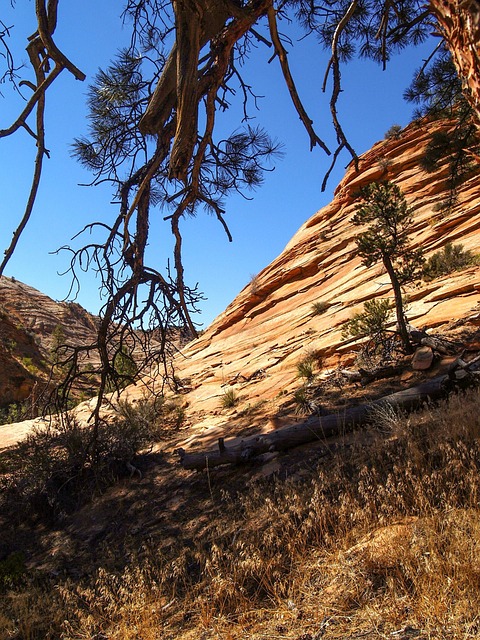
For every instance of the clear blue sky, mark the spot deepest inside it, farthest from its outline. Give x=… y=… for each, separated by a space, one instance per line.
x=90 y=33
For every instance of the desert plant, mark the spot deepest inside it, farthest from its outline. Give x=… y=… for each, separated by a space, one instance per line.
x=229 y=399
x=453 y=257
x=12 y=569
x=379 y=534
x=320 y=307
x=15 y=412
x=373 y=320
x=56 y=468
x=125 y=367
x=385 y=211
x=382 y=344
x=306 y=368
x=304 y=402
x=254 y=284
x=393 y=132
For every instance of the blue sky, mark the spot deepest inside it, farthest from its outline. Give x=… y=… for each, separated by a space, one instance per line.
x=90 y=33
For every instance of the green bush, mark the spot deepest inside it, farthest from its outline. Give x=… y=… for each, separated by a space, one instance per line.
x=229 y=399
x=304 y=402
x=12 y=569
x=306 y=368
x=372 y=320
x=394 y=132
x=453 y=257
x=15 y=412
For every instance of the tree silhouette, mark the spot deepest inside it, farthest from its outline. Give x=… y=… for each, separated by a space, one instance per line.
x=153 y=135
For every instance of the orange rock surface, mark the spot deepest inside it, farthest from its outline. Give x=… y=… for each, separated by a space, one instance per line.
x=255 y=344
x=253 y=347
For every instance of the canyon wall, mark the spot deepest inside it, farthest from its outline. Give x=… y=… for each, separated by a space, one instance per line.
x=253 y=347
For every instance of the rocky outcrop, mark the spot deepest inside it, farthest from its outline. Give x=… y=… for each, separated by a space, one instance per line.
x=31 y=326
x=254 y=346
x=252 y=349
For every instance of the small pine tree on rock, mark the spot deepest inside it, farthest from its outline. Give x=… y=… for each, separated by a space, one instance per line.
x=389 y=223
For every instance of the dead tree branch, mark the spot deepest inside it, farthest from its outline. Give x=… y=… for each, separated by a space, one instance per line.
x=317 y=428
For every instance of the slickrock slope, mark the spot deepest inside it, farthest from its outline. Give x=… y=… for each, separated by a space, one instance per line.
x=255 y=344
x=30 y=323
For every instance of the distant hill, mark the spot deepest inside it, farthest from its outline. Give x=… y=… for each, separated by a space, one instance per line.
x=31 y=326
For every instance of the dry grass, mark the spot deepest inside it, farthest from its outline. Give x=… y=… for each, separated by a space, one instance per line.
x=378 y=541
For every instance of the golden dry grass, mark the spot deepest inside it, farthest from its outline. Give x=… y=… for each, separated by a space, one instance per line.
x=381 y=540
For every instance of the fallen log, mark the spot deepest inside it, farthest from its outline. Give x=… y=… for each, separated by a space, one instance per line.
x=315 y=428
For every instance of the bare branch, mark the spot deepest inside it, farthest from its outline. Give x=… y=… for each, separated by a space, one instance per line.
x=334 y=65
x=282 y=56
x=47 y=21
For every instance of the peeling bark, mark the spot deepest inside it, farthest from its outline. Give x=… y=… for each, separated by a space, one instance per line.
x=459 y=22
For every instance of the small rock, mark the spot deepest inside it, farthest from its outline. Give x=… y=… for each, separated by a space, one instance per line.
x=422 y=359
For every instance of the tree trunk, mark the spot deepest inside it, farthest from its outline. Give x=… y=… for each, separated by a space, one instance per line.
x=313 y=429
x=459 y=22
x=397 y=292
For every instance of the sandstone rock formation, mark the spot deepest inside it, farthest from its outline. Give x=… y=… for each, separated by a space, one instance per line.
x=30 y=325
x=254 y=346
x=252 y=349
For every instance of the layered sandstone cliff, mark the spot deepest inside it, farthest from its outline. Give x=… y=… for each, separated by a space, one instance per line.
x=254 y=346
x=31 y=326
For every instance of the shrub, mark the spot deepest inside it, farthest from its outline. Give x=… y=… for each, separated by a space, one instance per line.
x=318 y=308
x=383 y=345
x=453 y=257
x=12 y=569
x=372 y=320
x=304 y=403
x=305 y=368
x=254 y=284
x=15 y=412
x=60 y=466
x=229 y=399
x=394 y=132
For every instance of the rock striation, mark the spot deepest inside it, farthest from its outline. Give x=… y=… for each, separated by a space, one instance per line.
x=31 y=324
x=254 y=346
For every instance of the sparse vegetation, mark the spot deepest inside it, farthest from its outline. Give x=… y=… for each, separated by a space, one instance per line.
x=382 y=536
x=306 y=368
x=304 y=402
x=15 y=412
x=56 y=468
x=320 y=307
x=383 y=344
x=254 y=284
x=125 y=367
x=389 y=221
x=229 y=399
x=453 y=257
x=374 y=319
x=12 y=570
x=452 y=147
x=394 y=132
x=29 y=365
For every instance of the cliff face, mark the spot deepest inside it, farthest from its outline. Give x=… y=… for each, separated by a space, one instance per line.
x=31 y=325
x=253 y=347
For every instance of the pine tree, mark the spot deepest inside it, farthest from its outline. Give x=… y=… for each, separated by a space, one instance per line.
x=386 y=240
